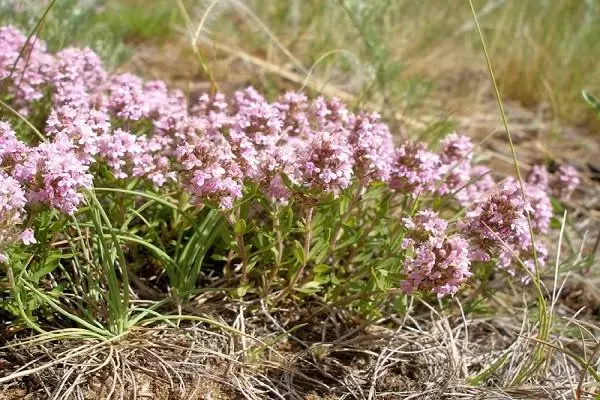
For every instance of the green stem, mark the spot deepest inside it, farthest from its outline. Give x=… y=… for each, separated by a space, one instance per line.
x=544 y=330
x=334 y=236
x=307 y=242
x=242 y=251
x=367 y=230
x=17 y=296
x=306 y=250
x=279 y=256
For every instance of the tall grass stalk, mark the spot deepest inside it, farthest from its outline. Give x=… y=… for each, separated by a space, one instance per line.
x=544 y=318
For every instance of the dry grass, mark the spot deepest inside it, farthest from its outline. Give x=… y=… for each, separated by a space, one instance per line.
x=400 y=53
x=430 y=354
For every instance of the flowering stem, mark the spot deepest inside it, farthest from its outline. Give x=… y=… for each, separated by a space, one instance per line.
x=242 y=252
x=244 y=256
x=227 y=267
x=306 y=249
x=334 y=236
x=367 y=230
x=279 y=256
x=307 y=241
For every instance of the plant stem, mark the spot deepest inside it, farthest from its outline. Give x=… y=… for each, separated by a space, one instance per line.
x=367 y=230
x=279 y=256
x=306 y=249
x=307 y=241
x=17 y=295
x=244 y=256
x=334 y=236
x=243 y=253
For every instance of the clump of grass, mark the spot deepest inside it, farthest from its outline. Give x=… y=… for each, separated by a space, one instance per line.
x=546 y=52
x=138 y=20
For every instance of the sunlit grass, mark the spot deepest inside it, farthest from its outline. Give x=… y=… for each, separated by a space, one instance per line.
x=398 y=53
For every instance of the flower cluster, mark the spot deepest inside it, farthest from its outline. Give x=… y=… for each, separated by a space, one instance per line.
x=326 y=162
x=456 y=164
x=561 y=183
x=372 y=147
x=564 y=181
x=210 y=171
x=51 y=173
x=216 y=145
x=12 y=212
x=25 y=67
x=438 y=263
x=414 y=169
x=498 y=227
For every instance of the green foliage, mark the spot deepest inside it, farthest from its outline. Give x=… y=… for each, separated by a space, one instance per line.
x=68 y=23
x=593 y=101
x=138 y=20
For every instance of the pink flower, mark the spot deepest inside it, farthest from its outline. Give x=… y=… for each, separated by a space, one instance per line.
x=78 y=66
x=541 y=208
x=326 y=163
x=564 y=182
x=12 y=150
x=213 y=112
x=372 y=147
x=538 y=176
x=27 y=81
x=126 y=97
x=440 y=266
x=497 y=227
x=294 y=108
x=54 y=175
x=330 y=114
x=456 y=169
x=209 y=171
x=456 y=149
x=436 y=262
x=82 y=126
x=27 y=237
x=12 y=213
x=414 y=169
x=423 y=226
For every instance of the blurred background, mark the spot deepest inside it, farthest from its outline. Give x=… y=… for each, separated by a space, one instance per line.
x=419 y=63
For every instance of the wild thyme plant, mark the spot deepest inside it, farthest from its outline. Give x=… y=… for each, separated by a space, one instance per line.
x=113 y=187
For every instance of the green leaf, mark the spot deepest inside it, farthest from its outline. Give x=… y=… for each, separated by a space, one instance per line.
x=240 y=227
x=310 y=287
x=287 y=220
x=298 y=252
x=334 y=279
x=51 y=264
x=592 y=100
x=242 y=290
x=319 y=251
x=320 y=269
x=191 y=259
